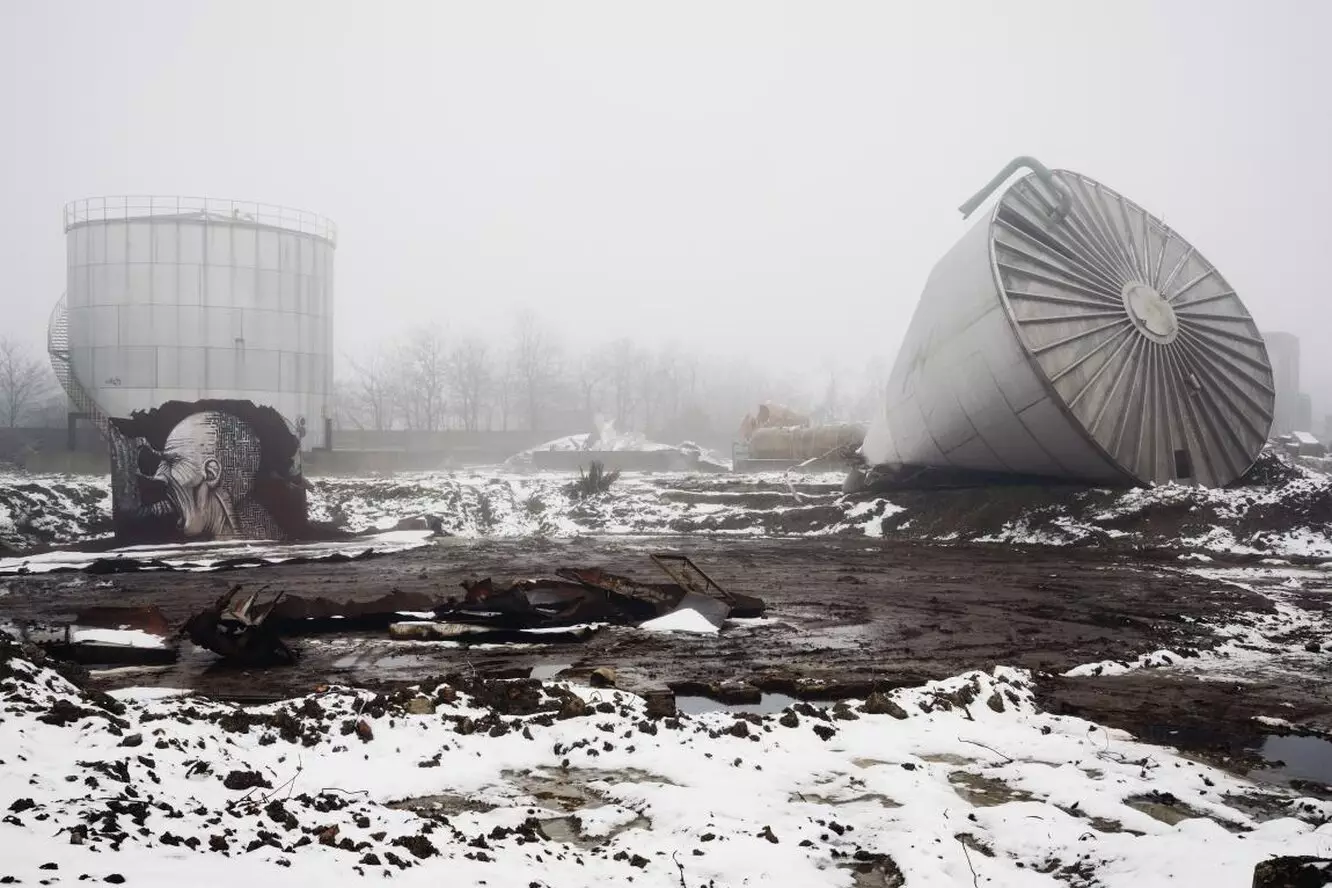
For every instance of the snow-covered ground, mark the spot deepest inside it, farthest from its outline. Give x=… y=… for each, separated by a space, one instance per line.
x=1255 y=645
x=202 y=557
x=1288 y=514
x=958 y=782
x=41 y=509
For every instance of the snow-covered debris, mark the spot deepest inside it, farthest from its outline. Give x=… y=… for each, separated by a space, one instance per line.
x=136 y=638
x=52 y=509
x=203 y=557
x=606 y=439
x=1119 y=667
x=521 y=783
x=1284 y=510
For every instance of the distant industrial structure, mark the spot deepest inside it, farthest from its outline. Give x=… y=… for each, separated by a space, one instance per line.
x=1283 y=350
x=187 y=299
x=1071 y=335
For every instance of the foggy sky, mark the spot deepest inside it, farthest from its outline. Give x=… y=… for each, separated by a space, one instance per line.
x=766 y=178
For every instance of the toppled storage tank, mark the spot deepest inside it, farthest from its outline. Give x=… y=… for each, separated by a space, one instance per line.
x=1071 y=335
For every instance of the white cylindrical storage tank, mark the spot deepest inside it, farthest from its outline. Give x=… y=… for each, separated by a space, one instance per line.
x=174 y=298
x=1072 y=335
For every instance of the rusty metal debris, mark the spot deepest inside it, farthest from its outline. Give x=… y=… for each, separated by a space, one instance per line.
x=103 y=636
x=236 y=630
x=592 y=595
x=690 y=576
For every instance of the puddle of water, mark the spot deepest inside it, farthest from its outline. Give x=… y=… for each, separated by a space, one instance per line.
x=985 y=792
x=548 y=671
x=874 y=871
x=1107 y=825
x=439 y=803
x=569 y=789
x=561 y=829
x=767 y=705
x=568 y=830
x=1301 y=758
x=867 y=797
x=874 y=763
x=1163 y=807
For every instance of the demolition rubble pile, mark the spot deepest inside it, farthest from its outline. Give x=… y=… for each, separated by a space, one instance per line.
x=247 y=628
x=577 y=597
x=606 y=443
x=520 y=782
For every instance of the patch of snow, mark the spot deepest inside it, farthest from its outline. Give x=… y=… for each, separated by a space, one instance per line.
x=1153 y=660
x=134 y=638
x=682 y=620
x=207 y=555
x=147 y=694
x=1273 y=722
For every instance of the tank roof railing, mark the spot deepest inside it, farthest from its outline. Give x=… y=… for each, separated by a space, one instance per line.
x=245 y=212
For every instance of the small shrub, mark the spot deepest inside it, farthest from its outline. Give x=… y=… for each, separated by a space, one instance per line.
x=594 y=482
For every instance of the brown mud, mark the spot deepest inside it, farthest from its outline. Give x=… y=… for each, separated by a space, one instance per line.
x=845 y=617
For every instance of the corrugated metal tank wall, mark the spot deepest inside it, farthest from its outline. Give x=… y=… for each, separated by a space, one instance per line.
x=192 y=306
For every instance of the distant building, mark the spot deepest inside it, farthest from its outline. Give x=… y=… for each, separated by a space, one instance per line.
x=1304 y=413
x=1283 y=350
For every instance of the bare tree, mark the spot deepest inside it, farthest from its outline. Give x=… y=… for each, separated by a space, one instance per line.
x=622 y=363
x=371 y=392
x=830 y=406
x=535 y=363
x=423 y=377
x=24 y=381
x=663 y=383
x=505 y=386
x=590 y=375
x=469 y=379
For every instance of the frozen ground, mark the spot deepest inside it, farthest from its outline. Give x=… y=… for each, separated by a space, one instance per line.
x=996 y=776
x=1286 y=512
x=958 y=782
x=209 y=556
x=51 y=509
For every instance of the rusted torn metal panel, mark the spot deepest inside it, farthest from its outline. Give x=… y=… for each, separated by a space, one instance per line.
x=237 y=630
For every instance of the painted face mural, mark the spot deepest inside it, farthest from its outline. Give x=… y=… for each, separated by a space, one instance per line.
x=208 y=466
x=208 y=470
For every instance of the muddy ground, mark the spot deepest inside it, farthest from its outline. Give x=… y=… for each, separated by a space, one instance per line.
x=844 y=615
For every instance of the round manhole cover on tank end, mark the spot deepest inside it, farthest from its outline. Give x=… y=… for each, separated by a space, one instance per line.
x=1139 y=336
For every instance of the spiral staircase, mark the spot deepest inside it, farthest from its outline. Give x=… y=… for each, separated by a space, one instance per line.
x=57 y=347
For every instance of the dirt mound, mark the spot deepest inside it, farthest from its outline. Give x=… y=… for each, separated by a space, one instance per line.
x=1270 y=469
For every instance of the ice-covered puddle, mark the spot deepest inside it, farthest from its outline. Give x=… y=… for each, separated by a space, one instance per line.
x=526 y=782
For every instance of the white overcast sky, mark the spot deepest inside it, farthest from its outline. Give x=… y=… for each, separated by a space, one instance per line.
x=760 y=177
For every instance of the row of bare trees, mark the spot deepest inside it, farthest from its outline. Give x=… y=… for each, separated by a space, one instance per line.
x=528 y=378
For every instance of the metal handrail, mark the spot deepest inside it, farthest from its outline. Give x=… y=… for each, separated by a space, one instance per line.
x=57 y=335
x=122 y=208
x=54 y=327
x=1063 y=200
